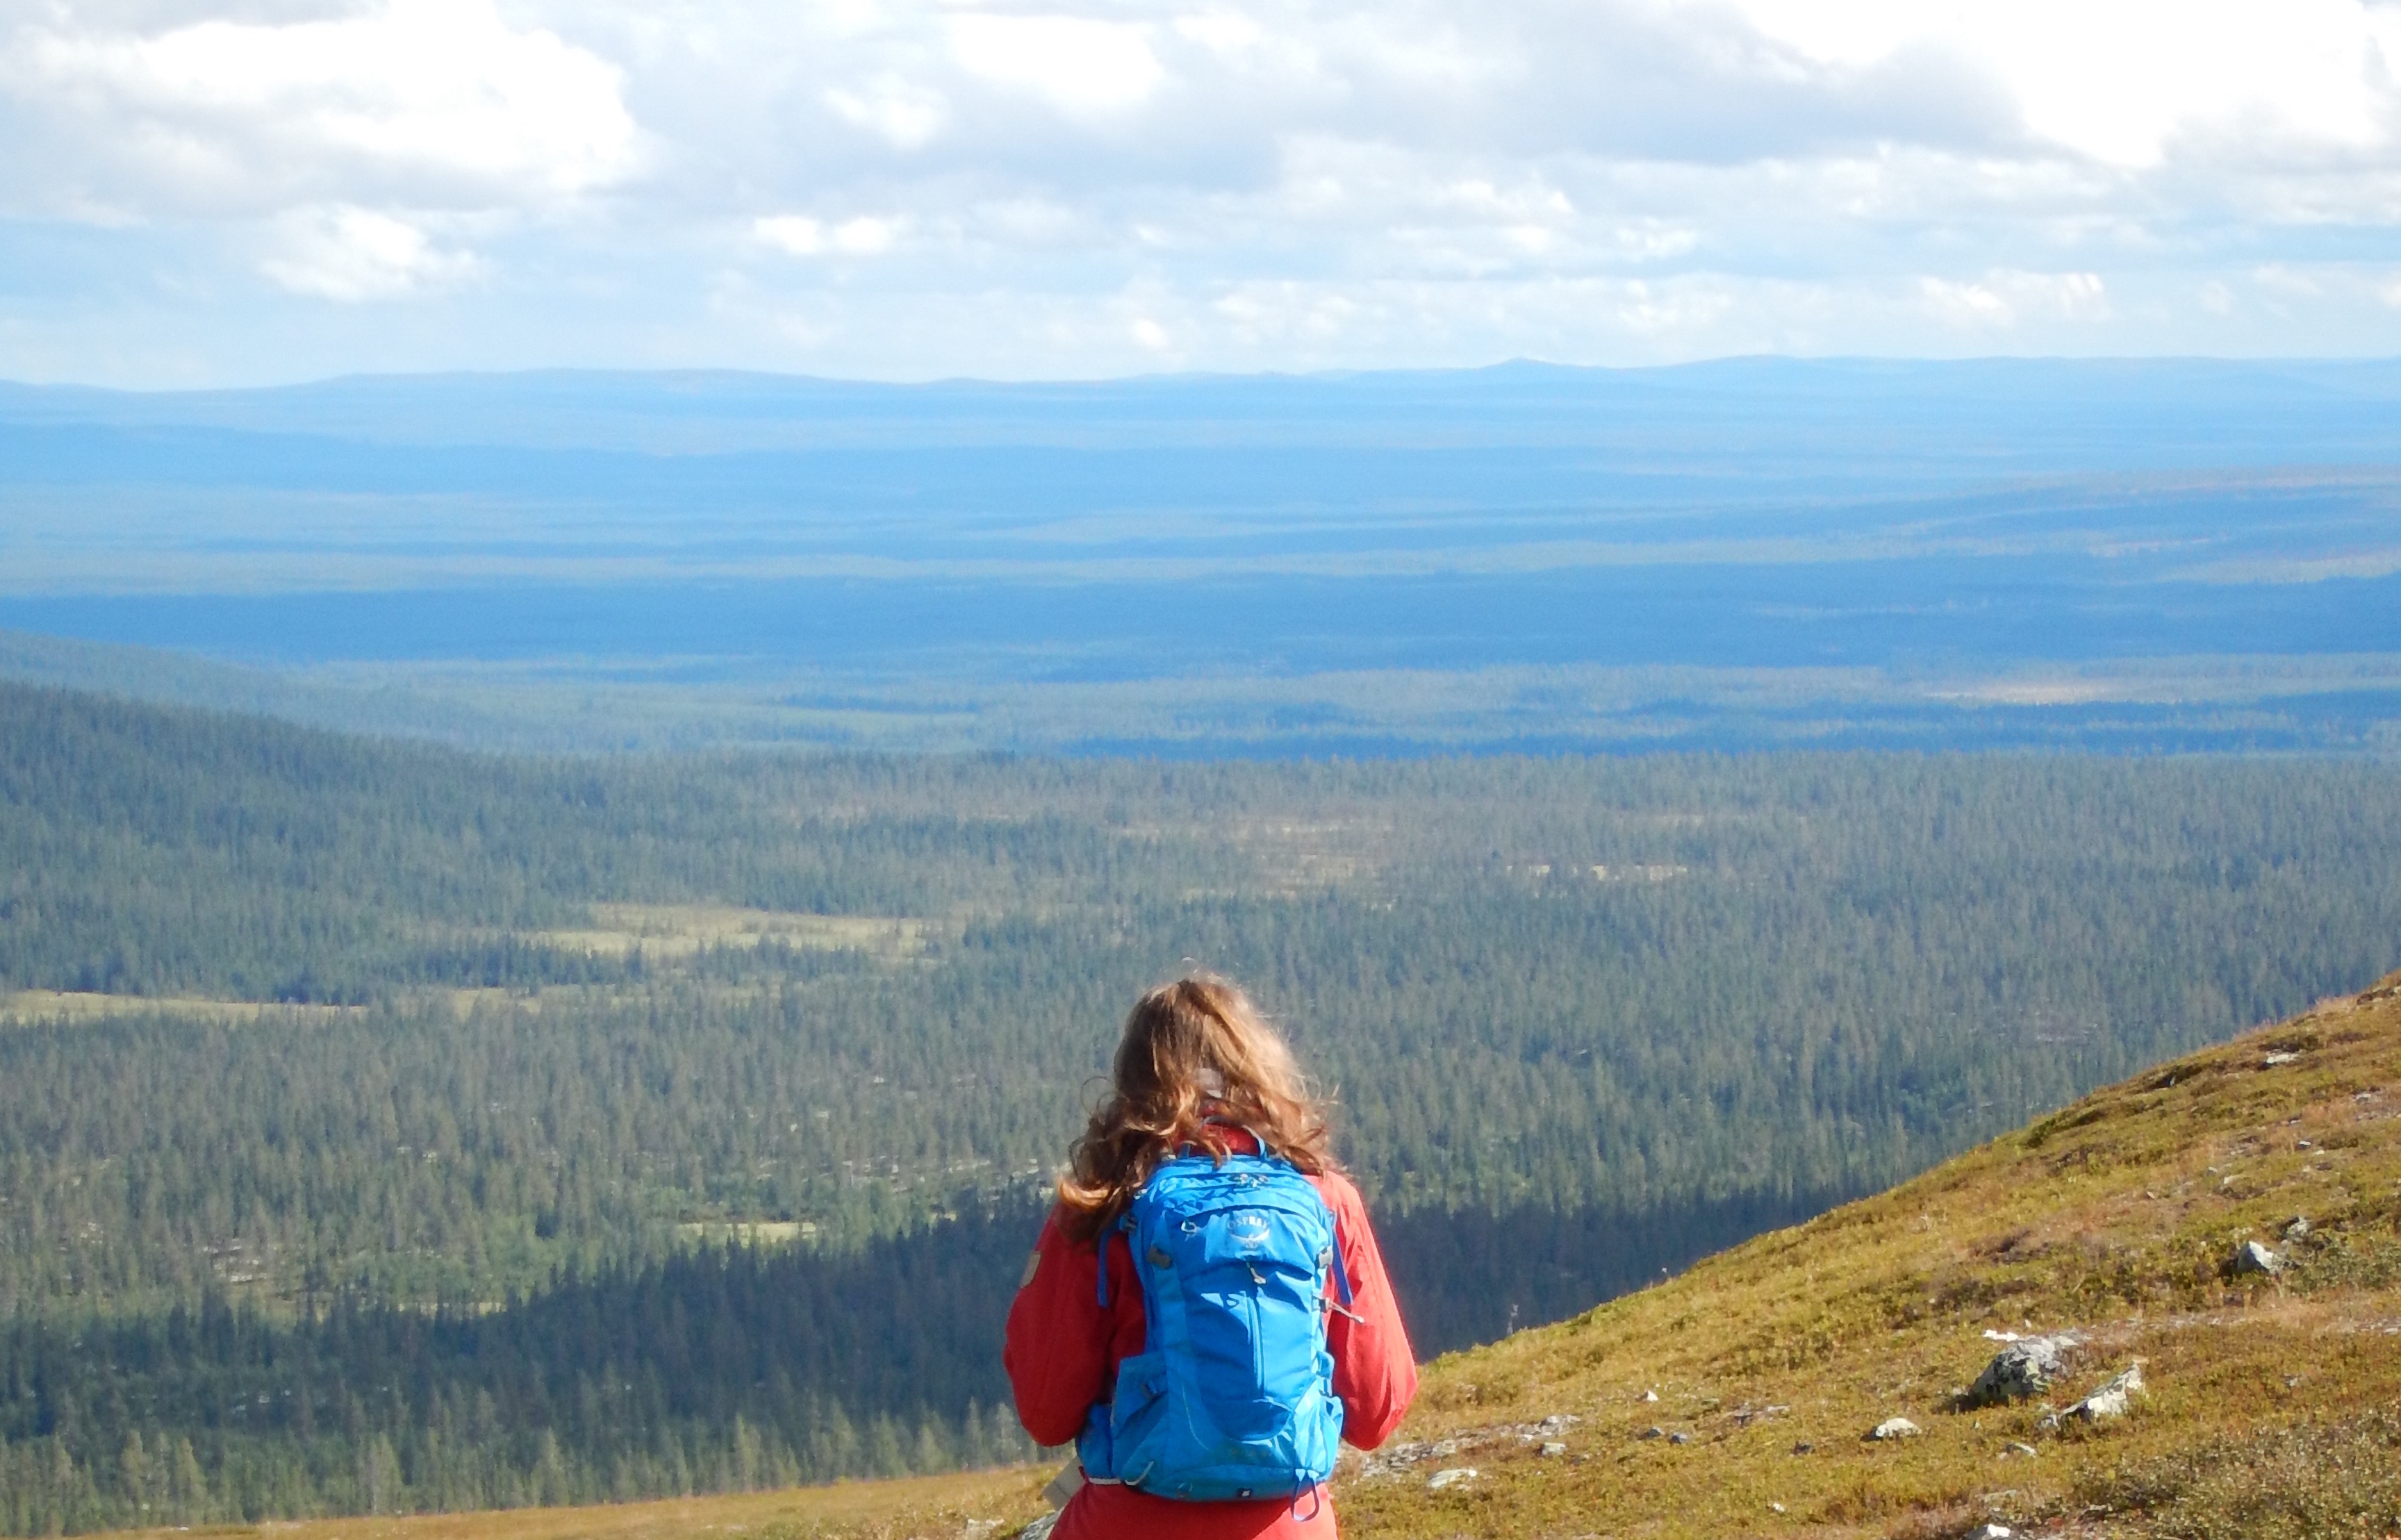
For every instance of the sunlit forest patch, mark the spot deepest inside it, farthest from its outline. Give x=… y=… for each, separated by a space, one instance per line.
x=679 y=931
x=26 y=1007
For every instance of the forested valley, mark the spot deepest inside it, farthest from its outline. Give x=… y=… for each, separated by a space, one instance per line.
x=384 y=1127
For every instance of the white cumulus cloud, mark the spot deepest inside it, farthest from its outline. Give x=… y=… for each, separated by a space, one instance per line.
x=350 y=254
x=439 y=102
x=1071 y=186
x=904 y=115
x=2121 y=81
x=2001 y=300
x=1080 y=65
x=801 y=236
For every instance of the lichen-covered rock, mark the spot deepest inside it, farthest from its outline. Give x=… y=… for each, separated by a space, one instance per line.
x=1893 y=1427
x=2111 y=1400
x=1450 y=1478
x=2020 y=1370
x=2255 y=1258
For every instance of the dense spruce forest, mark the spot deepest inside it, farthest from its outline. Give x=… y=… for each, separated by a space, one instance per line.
x=685 y=1119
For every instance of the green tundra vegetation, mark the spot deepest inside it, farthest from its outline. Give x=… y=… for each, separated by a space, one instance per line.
x=383 y=1126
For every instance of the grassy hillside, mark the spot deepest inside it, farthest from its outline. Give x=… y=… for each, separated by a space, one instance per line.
x=2271 y=1403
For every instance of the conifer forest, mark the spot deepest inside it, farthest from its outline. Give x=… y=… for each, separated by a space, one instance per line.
x=387 y=1127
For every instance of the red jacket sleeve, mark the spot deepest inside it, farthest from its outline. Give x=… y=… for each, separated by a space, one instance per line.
x=1063 y=1348
x=1374 y=1373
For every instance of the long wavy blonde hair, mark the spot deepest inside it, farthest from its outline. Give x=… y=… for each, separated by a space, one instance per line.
x=1178 y=1038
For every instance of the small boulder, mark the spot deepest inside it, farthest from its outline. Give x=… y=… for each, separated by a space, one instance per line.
x=1991 y=1531
x=1680 y=1438
x=1553 y=1449
x=2022 y=1369
x=1893 y=1427
x=1450 y=1478
x=1653 y=1432
x=1648 y=1396
x=2111 y=1401
x=2278 y=1060
x=1804 y=1447
x=2027 y=1449
x=2255 y=1258
x=2299 y=1229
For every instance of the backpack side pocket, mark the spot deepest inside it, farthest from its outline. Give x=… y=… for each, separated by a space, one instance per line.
x=1137 y=1417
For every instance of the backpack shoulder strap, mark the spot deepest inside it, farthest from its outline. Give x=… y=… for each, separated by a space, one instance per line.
x=1333 y=1225
x=1124 y=1223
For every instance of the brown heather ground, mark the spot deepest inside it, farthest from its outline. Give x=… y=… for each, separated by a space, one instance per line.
x=2273 y=1406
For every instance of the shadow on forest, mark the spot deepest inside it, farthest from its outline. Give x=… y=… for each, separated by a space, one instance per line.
x=1469 y=1277
x=718 y=1368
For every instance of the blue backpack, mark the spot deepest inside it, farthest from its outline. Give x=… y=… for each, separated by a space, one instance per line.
x=1232 y=1396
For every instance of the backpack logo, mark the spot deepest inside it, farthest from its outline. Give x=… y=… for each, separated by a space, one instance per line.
x=1232 y=1396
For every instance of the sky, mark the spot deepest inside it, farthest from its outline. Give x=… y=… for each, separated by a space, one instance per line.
x=213 y=192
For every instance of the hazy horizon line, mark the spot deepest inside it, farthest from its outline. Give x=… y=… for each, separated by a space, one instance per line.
x=1515 y=362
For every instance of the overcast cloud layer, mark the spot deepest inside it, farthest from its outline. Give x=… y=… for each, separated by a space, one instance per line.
x=246 y=190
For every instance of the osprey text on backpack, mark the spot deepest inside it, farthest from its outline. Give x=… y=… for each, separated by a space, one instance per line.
x=1232 y=1396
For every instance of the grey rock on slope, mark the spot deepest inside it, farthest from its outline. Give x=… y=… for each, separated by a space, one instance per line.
x=2022 y=1370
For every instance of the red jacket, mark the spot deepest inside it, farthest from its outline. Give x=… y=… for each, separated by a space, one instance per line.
x=1062 y=1354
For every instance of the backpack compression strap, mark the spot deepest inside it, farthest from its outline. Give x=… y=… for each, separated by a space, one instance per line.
x=1100 y=1262
x=1341 y=1273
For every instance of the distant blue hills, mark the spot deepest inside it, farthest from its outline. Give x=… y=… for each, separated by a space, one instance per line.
x=2030 y=414
x=2119 y=555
